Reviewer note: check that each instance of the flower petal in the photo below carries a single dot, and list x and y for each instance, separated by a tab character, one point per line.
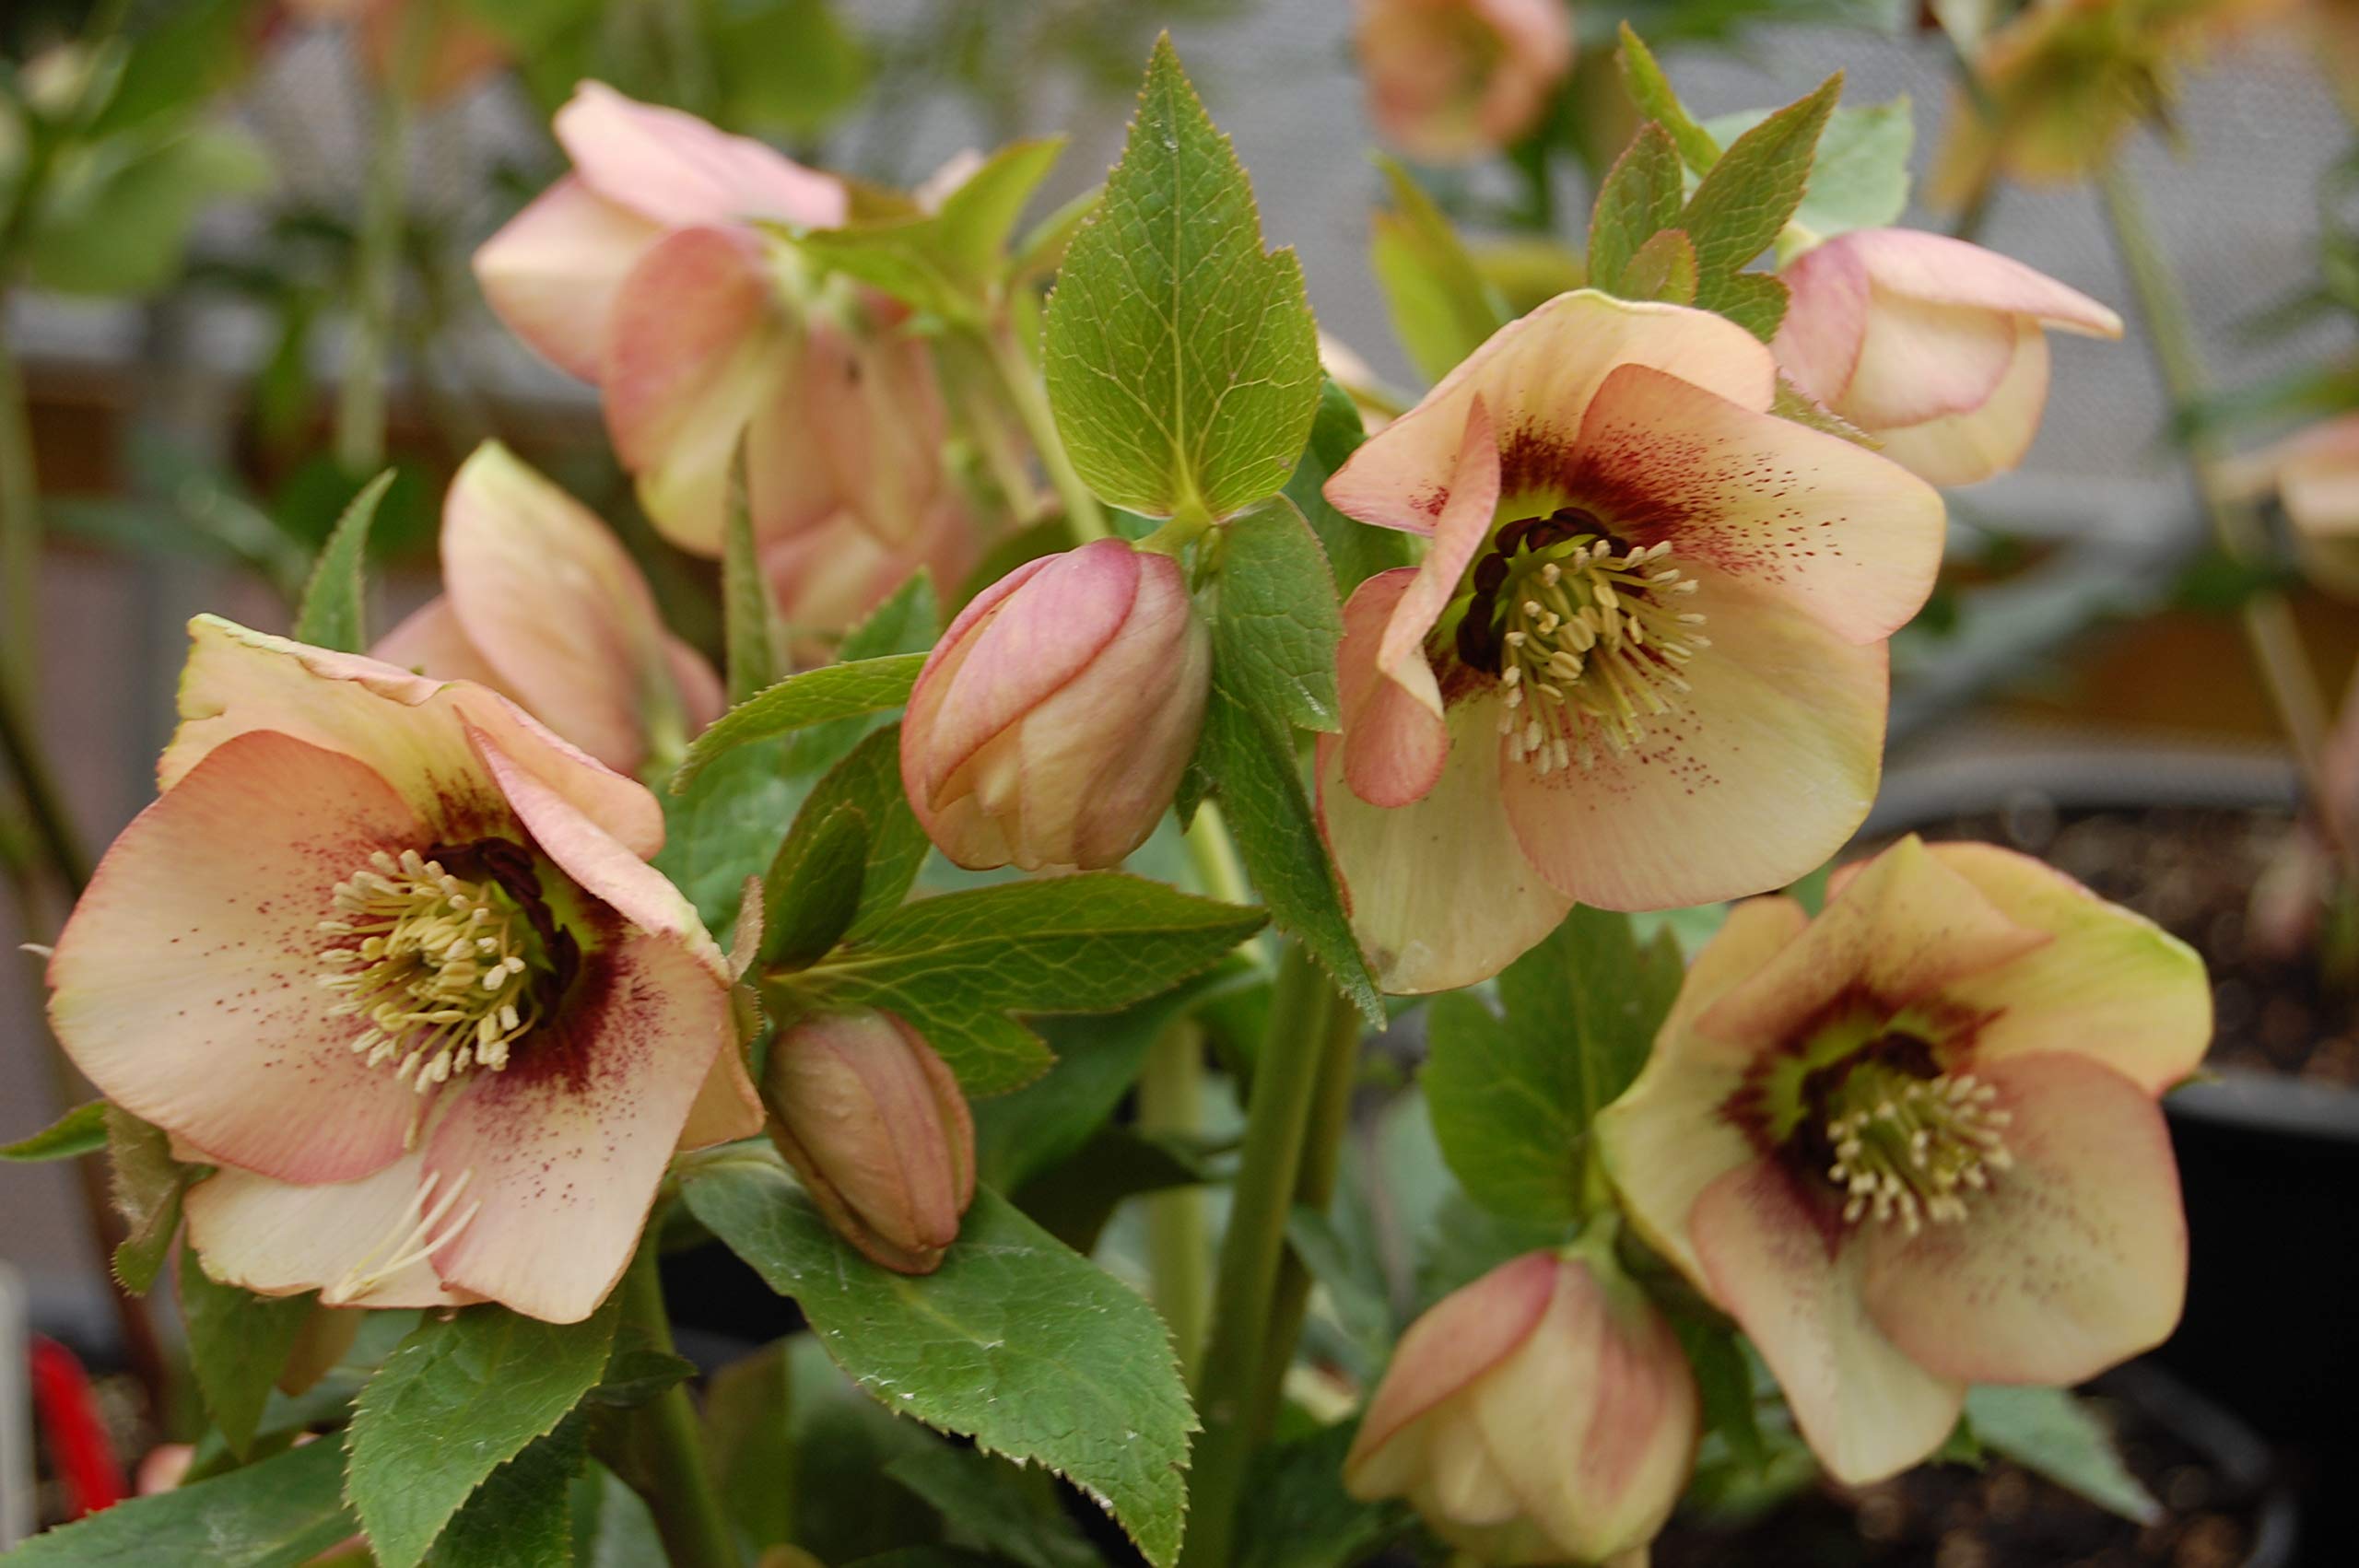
694	350
551	271
1393	744
1537	376
1826	320
1768	768
1410	873
1943	270
675	170
279	1238
1818	522
1460	534
2073	1260
874	412
1866	1408
186	982
2111	986
727	1106
430	642
564	1148
1921	360
1963	449
1668	1137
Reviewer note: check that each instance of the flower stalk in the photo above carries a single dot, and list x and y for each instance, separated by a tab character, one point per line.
1084	516
1171	1092
685	1500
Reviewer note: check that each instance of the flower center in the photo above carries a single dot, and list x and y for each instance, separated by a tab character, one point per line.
1588	635
445	970
1909	1148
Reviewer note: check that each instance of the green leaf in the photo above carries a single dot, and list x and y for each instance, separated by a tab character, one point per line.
833	691
82	1130
1254	769
746	1416
1301	1515
977	219
238	1344
1638	199
840	1441
1663	269
1355	552
1016	1340
1724	1378
1744	200
1754	301
813	889
1182	361
280	1513
147	1184
727	823
1792	403
1859	179
460	1398
1650	90
907	623
1276	624
869	782
1440	306
522	1517
955	967
789	65
749	615
612	1526
2051	1431
950	261
986	1504
334	612
121	210
1512	1097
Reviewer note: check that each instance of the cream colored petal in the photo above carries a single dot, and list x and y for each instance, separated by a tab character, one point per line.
551	271
1961	449
279	1238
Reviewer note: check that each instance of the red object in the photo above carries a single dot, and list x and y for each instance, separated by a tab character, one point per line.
67	1413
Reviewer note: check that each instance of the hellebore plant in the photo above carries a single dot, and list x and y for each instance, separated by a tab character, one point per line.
449	1039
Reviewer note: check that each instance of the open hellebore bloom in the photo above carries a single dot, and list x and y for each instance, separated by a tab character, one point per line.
1051	723
389	955
826	579
541	603
1544	1413
1913	1144
1643	664
1453	80
873	1124
1932	346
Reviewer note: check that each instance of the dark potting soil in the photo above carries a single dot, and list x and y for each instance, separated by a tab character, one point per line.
2192	872
1998	1516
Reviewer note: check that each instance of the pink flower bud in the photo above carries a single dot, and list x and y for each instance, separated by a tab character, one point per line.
1543	1413
873	1124
1053	721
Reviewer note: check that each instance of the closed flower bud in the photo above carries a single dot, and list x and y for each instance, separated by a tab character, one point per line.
1053	721
873	1121
1544	1413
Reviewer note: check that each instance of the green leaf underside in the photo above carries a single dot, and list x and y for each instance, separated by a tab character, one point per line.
280	1513
1744	200
1638	199
1440	307
1512	1097
1016	1341
1859	179
2053	1432
334	612
1182	361
147	1184
1663	269
82	1130
956	965
238	1344
833	691
1278	623
461	1398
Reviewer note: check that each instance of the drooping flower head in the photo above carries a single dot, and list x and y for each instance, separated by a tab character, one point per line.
1913	1144
1452	80
388	955
1544	1413
1642	665
1936	347
542	604
2314	473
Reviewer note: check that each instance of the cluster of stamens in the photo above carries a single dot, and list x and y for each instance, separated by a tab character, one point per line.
1588	637
1910	1149
433	963
417	1236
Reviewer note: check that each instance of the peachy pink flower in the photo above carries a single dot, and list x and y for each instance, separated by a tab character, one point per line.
542	605
1453	80
1642	665
1913	1144
388	954
2314	475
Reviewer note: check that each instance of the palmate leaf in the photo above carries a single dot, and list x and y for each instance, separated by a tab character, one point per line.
1182	361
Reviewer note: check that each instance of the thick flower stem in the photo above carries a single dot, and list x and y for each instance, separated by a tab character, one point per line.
1277	1121
361	397
1084	516
2269	629
684	1498
1171	1093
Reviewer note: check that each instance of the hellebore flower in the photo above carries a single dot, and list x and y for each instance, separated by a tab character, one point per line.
1642	666
1450	81
389	955
826	579
873	1124
459	49
1932	346
1543	1413
542	605
1913	1144
2314	475
1051	723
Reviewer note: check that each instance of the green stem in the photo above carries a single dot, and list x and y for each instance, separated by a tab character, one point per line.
1278	1118
44	802
1171	1100
686	1503
1213	853
1084	516
2269	629
361	397
19	523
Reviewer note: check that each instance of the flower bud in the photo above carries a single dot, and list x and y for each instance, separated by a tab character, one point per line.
1544	1413
1053	723
873	1124
1450	81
